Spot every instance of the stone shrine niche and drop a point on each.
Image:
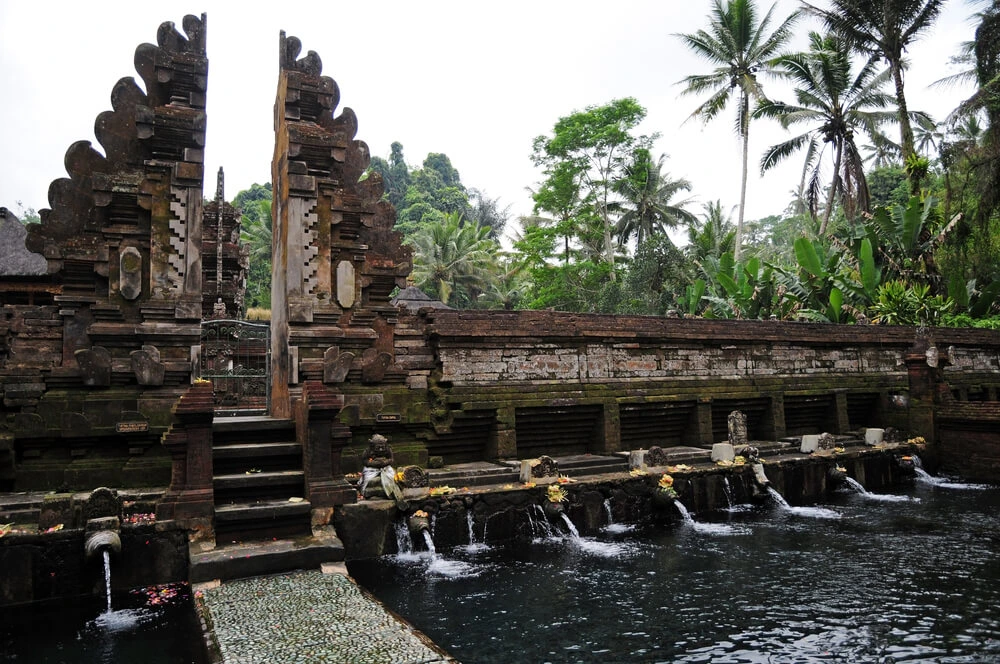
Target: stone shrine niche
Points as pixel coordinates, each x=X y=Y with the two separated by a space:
x=337 y=257
x=124 y=228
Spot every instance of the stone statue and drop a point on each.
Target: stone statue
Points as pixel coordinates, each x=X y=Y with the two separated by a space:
x=737 y=429
x=378 y=465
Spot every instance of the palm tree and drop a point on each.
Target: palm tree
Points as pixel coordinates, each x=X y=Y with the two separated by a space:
x=741 y=48
x=453 y=260
x=713 y=236
x=835 y=105
x=647 y=191
x=884 y=29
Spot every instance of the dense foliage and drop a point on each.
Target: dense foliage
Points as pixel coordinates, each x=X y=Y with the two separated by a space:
x=893 y=221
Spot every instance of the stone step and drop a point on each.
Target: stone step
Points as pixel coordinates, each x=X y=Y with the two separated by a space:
x=240 y=560
x=255 y=480
x=269 y=457
x=472 y=474
x=590 y=464
x=249 y=487
x=256 y=429
x=261 y=520
x=256 y=450
x=262 y=510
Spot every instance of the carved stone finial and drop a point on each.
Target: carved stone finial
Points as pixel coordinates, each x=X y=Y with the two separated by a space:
x=288 y=53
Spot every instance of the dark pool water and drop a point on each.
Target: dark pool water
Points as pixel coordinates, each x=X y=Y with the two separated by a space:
x=907 y=578
x=151 y=626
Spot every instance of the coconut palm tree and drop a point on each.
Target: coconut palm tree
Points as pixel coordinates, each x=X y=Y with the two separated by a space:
x=647 y=192
x=453 y=260
x=835 y=105
x=741 y=48
x=884 y=29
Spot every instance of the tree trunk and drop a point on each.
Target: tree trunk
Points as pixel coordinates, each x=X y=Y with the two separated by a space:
x=609 y=249
x=832 y=195
x=745 y=131
x=905 y=129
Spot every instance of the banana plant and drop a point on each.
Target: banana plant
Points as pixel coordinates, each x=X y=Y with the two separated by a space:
x=741 y=290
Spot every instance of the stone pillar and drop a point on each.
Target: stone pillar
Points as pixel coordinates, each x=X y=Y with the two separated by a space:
x=191 y=497
x=610 y=436
x=840 y=416
x=774 y=418
x=503 y=436
x=703 y=422
x=322 y=439
x=920 y=414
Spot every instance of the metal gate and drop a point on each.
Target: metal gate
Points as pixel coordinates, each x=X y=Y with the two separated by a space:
x=236 y=357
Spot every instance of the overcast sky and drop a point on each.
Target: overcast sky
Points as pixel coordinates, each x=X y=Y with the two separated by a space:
x=474 y=80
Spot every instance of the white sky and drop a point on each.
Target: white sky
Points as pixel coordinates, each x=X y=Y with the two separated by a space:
x=474 y=80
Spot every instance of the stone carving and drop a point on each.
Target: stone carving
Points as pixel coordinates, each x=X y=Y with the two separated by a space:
x=656 y=456
x=378 y=479
x=827 y=441
x=336 y=365
x=146 y=366
x=545 y=467
x=378 y=453
x=737 y=429
x=101 y=503
x=130 y=270
x=414 y=477
x=95 y=366
x=373 y=365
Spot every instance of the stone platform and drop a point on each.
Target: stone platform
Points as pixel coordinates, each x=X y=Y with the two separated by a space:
x=307 y=617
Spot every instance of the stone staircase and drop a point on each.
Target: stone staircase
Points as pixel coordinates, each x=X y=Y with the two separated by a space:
x=262 y=519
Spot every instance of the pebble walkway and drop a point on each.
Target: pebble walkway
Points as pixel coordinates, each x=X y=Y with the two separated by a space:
x=309 y=617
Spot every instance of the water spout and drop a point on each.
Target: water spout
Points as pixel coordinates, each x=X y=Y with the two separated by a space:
x=759 y=476
x=685 y=515
x=106 y=541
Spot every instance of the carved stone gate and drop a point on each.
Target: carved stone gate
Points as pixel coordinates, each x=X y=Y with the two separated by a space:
x=236 y=358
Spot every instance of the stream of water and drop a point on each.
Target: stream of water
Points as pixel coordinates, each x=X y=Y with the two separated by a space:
x=855 y=580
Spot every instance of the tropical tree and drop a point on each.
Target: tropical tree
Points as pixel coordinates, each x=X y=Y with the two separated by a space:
x=647 y=191
x=741 y=48
x=454 y=260
x=836 y=106
x=713 y=236
x=255 y=232
x=588 y=151
x=884 y=29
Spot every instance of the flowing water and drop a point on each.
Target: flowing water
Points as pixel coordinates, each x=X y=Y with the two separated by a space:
x=85 y=632
x=884 y=582
x=867 y=495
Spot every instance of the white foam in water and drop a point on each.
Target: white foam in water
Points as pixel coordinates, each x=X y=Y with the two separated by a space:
x=453 y=569
x=618 y=528
x=881 y=497
x=813 y=512
x=602 y=549
x=122 y=620
x=718 y=528
x=927 y=478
